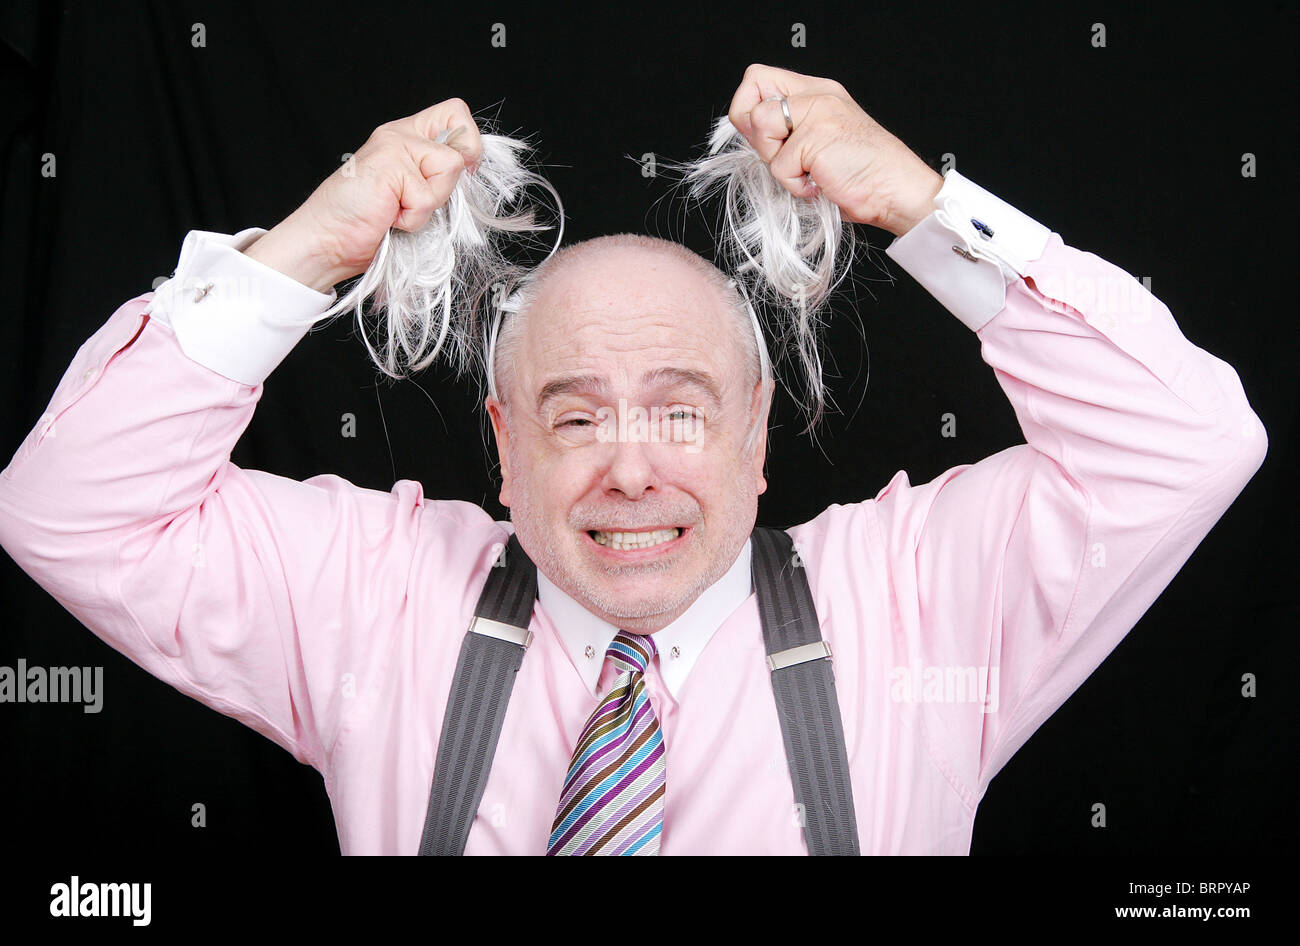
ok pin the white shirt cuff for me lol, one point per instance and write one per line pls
(969, 250)
(232, 313)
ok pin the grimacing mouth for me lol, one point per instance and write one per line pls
(680, 530)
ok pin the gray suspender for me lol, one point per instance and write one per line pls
(490, 657)
(802, 683)
(805, 695)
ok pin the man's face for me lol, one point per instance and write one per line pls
(627, 412)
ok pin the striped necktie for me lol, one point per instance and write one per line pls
(613, 798)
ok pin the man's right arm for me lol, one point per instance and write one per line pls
(255, 594)
(268, 599)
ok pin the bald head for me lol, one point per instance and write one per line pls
(603, 275)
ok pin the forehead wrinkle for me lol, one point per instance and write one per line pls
(560, 347)
(578, 321)
(558, 335)
(661, 377)
(626, 320)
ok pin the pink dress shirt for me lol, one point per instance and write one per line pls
(961, 612)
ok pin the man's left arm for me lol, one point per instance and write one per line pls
(1138, 441)
(1034, 562)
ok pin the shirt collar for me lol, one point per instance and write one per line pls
(582, 633)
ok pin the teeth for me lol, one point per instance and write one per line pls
(627, 541)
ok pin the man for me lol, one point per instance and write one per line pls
(960, 613)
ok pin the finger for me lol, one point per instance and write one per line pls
(439, 165)
(467, 140)
(758, 83)
(429, 173)
(452, 116)
(791, 164)
(430, 157)
(767, 121)
(418, 202)
(762, 82)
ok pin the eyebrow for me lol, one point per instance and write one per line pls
(658, 376)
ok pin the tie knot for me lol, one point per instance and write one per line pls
(631, 651)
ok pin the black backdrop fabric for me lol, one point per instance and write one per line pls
(1133, 151)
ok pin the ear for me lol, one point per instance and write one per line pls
(760, 407)
(496, 410)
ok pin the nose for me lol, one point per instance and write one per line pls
(630, 470)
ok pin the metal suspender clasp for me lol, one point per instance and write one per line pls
(817, 650)
(506, 632)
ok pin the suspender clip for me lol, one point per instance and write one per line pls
(506, 632)
(817, 650)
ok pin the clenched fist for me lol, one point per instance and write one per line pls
(863, 169)
(405, 171)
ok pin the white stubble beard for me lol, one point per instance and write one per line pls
(561, 560)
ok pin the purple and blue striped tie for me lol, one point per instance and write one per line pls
(613, 798)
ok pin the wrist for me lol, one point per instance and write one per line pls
(917, 205)
(293, 248)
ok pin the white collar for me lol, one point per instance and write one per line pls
(582, 633)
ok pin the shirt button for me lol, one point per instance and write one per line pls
(88, 374)
(675, 652)
(590, 652)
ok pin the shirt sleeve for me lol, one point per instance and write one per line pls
(1032, 564)
(269, 599)
(232, 313)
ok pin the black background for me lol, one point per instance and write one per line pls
(1132, 151)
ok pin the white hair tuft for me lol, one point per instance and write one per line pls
(431, 288)
(790, 252)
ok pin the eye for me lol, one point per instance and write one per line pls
(684, 413)
(575, 421)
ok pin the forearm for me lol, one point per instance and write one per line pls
(1100, 376)
(141, 433)
(1036, 561)
(148, 412)
(109, 505)
(1109, 387)
(296, 248)
(123, 504)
